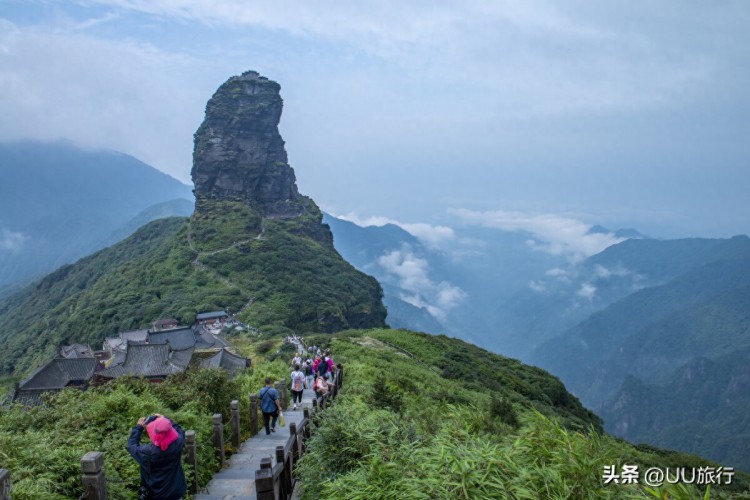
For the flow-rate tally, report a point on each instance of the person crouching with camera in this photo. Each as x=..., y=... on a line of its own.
x=162, y=477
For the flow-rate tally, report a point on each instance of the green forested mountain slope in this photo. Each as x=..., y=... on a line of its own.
x=254, y=245
x=668, y=364
x=655, y=330
x=280, y=277
x=702, y=408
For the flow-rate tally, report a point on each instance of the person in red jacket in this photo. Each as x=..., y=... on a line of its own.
x=162, y=476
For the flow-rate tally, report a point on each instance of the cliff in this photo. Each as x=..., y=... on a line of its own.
x=239, y=154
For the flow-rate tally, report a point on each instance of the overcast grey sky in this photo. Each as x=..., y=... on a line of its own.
x=495, y=113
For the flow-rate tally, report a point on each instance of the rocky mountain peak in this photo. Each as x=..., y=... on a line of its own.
x=239, y=154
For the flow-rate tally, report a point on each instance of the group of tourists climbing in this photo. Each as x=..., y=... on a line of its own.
x=316, y=373
x=160, y=465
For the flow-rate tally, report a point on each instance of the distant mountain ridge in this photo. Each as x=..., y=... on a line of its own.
x=636, y=361
x=59, y=203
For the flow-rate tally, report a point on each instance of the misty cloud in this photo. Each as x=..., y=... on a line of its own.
x=553, y=234
x=537, y=286
x=12, y=241
x=411, y=274
x=428, y=234
x=112, y=94
x=407, y=108
x=587, y=291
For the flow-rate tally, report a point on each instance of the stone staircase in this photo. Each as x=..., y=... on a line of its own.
x=237, y=479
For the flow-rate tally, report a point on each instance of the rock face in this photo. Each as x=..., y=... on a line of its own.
x=239, y=154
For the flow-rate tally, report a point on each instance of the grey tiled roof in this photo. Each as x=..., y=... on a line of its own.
x=205, y=339
x=135, y=335
x=59, y=372
x=149, y=360
x=118, y=357
x=224, y=359
x=211, y=315
x=32, y=397
x=181, y=338
x=113, y=343
x=76, y=351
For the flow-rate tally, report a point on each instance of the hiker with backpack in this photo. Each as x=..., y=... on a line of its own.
x=269, y=404
x=309, y=374
x=298, y=385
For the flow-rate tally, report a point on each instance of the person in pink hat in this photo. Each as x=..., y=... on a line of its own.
x=162, y=477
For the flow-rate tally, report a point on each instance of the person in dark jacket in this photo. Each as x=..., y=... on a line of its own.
x=162, y=477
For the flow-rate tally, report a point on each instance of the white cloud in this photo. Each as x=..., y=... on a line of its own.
x=557, y=272
x=587, y=291
x=411, y=275
x=428, y=234
x=554, y=234
x=12, y=241
x=604, y=273
x=123, y=94
x=537, y=286
x=595, y=62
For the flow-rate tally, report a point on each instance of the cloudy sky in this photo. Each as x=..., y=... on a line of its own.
x=508, y=114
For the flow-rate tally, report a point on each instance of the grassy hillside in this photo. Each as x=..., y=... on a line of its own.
x=432, y=417
x=413, y=421
x=282, y=274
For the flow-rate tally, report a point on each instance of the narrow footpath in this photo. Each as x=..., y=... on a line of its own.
x=237, y=479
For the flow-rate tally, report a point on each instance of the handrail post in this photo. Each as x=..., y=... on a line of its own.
x=234, y=407
x=192, y=458
x=94, y=481
x=279, y=386
x=218, y=437
x=264, y=487
x=253, y=414
x=306, y=430
x=284, y=395
x=4, y=484
x=297, y=449
x=286, y=473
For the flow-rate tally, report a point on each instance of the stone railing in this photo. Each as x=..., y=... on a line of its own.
x=276, y=482
x=92, y=463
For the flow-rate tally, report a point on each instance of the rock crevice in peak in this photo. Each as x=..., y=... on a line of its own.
x=239, y=154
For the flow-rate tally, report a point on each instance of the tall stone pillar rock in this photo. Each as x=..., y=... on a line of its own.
x=239, y=154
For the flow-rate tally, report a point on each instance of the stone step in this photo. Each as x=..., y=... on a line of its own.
x=236, y=481
x=232, y=487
